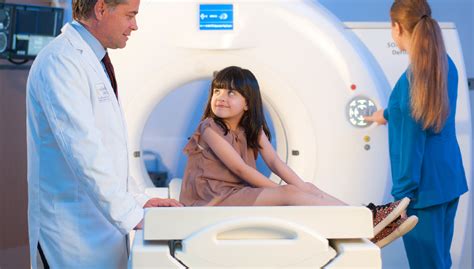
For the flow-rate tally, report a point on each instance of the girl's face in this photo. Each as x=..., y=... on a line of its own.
x=228, y=105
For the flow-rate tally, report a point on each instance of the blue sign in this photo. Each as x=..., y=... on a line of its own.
x=216, y=17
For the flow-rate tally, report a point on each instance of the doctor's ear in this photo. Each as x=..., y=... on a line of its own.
x=99, y=9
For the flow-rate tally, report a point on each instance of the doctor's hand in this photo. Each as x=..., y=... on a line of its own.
x=376, y=117
x=139, y=226
x=158, y=202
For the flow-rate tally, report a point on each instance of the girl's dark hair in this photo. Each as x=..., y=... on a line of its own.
x=243, y=81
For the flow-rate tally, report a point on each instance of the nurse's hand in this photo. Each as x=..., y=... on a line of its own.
x=376, y=117
x=158, y=202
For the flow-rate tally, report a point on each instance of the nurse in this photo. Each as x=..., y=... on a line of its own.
x=82, y=201
x=424, y=152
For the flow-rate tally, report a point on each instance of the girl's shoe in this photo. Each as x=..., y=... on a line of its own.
x=383, y=215
x=394, y=230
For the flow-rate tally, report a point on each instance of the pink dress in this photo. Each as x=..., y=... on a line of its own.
x=207, y=181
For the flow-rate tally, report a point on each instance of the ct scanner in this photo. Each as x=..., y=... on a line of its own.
x=318, y=76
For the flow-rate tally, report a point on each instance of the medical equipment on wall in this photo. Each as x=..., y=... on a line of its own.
x=25, y=29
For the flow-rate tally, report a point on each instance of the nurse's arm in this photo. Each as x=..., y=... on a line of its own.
x=412, y=151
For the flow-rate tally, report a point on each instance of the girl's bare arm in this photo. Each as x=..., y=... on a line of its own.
x=232, y=160
x=275, y=164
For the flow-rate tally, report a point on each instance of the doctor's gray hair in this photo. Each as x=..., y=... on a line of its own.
x=82, y=9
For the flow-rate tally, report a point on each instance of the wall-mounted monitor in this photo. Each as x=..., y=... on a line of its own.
x=25, y=29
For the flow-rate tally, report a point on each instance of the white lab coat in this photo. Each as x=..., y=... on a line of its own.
x=81, y=206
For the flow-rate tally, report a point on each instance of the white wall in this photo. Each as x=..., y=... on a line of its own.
x=461, y=12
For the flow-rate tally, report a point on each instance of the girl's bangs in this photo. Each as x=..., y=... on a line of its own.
x=229, y=81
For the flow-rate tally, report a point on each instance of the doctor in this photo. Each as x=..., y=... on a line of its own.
x=82, y=202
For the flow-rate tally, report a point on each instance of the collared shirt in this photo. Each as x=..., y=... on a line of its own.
x=93, y=43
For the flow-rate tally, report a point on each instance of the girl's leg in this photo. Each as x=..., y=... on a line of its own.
x=291, y=195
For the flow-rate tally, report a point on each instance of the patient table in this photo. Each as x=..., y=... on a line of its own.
x=255, y=237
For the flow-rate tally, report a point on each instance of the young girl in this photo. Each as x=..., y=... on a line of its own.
x=221, y=166
x=425, y=157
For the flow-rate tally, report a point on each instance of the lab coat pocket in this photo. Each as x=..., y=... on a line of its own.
x=105, y=111
x=103, y=95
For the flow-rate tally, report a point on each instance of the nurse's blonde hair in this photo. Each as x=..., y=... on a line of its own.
x=428, y=70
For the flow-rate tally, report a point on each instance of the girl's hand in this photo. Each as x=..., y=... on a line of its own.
x=309, y=187
x=376, y=117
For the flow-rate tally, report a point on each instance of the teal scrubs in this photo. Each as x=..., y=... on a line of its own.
x=426, y=167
